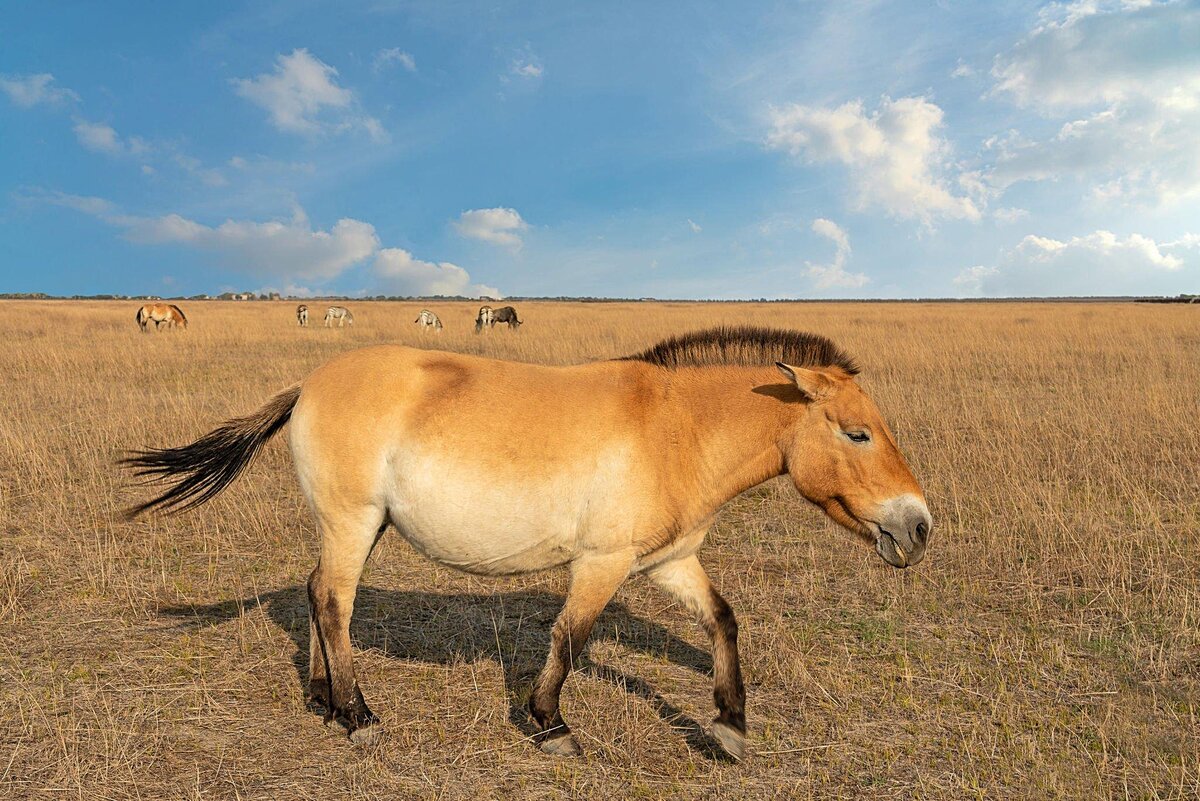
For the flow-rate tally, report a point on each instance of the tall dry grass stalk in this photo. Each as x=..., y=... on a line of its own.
x=1048, y=646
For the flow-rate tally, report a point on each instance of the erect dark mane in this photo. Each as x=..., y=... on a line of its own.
x=746, y=346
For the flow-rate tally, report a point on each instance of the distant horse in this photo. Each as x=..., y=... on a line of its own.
x=506, y=314
x=486, y=317
x=616, y=468
x=339, y=313
x=428, y=320
x=160, y=314
x=302, y=314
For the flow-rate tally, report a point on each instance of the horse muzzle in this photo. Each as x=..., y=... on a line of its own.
x=903, y=526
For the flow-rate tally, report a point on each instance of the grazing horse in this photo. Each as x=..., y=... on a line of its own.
x=621, y=469
x=302, y=314
x=507, y=314
x=339, y=313
x=428, y=320
x=486, y=317
x=160, y=314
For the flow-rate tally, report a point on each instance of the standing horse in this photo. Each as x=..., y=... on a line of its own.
x=428, y=320
x=622, y=468
x=486, y=317
x=302, y=314
x=507, y=314
x=339, y=313
x=160, y=314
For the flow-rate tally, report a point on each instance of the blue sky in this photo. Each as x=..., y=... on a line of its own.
x=722, y=150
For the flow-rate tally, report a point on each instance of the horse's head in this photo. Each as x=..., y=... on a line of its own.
x=843, y=458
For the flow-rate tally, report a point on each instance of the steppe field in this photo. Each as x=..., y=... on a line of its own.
x=1047, y=648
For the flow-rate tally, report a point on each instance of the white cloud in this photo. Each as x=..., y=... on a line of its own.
x=1006, y=216
x=404, y=275
x=302, y=96
x=32, y=90
x=394, y=55
x=694, y=226
x=499, y=226
x=1136, y=66
x=1099, y=51
x=527, y=66
x=1100, y=263
x=101, y=138
x=894, y=156
x=292, y=249
x=963, y=70
x=834, y=275
x=287, y=252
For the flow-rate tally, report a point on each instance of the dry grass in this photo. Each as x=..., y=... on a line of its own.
x=1048, y=647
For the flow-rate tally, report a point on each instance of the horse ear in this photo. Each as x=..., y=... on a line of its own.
x=813, y=384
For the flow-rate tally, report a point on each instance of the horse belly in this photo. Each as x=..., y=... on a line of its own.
x=489, y=527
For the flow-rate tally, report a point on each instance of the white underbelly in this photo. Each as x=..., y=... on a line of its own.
x=487, y=524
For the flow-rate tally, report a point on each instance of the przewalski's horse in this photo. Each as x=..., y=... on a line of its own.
x=506, y=314
x=485, y=318
x=302, y=314
x=622, y=467
x=160, y=314
x=339, y=313
x=428, y=320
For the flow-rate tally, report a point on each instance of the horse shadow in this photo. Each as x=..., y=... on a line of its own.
x=510, y=628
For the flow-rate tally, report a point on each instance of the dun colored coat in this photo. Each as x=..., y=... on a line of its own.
x=160, y=314
x=611, y=468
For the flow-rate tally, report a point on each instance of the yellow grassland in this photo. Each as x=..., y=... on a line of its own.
x=1048, y=647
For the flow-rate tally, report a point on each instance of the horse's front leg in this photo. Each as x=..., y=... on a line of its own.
x=685, y=580
x=594, y=579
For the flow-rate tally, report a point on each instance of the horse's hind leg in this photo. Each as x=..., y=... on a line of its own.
x=594, y=579
x=346, y=542
x=685, y=580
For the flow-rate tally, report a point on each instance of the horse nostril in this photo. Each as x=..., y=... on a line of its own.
x=922, y=531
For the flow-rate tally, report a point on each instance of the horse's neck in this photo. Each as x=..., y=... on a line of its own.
x=727, y=435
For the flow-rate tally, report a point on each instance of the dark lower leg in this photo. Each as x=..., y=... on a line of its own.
x=331, y=624
x=686, y=581
x=729, y=693
x=593, y=582
x=318, y=669
x=567, y=639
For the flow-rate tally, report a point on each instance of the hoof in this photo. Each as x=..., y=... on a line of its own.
x=563, y=745
x=337, y=725
x=367, y=735
x=732, y=740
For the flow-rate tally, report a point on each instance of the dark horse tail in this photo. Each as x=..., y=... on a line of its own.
x=199, y=471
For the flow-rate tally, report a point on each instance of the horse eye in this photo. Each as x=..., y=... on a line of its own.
x=858, y=436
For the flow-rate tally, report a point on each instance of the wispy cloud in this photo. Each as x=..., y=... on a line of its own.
x=302, y=96
x=393, y=55
x=1097, y=263
x=101, y=138
x=289, y=251
x=34, y=90
x=525, y=66
x=834, y=275
x=1129, y=74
